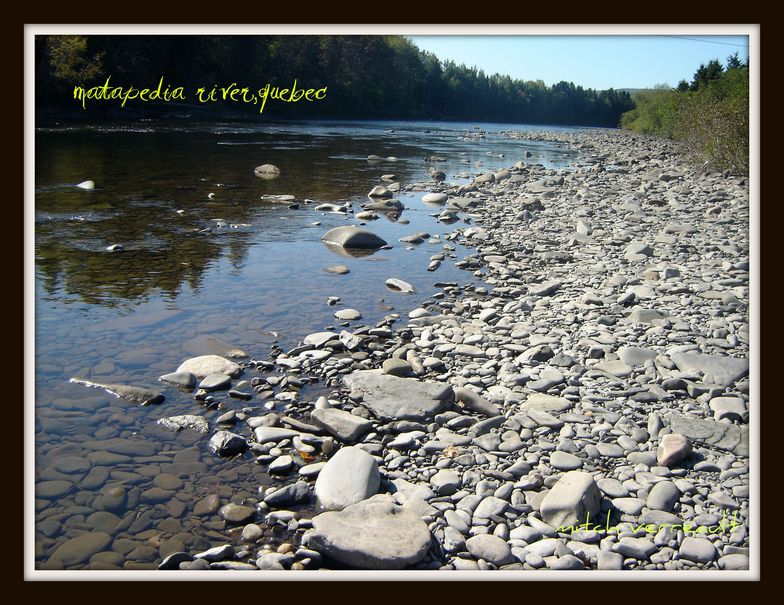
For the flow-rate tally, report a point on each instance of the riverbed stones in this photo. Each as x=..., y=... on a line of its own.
x=350, y=236
x=373, y=534
x=350, y=476
x=343, y=425
x=204, y=365
x=79, y=549
x=572, y=500
x=393, y=398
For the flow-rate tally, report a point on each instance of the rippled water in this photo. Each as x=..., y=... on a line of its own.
x=130, y=316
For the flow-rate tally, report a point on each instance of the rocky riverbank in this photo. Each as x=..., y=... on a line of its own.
x=586, y=408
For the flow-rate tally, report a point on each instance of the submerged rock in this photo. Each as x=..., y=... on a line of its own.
x=350, y=236
x=188, y=421
x=140, y=395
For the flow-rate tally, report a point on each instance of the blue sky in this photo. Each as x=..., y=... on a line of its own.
x=590, y=61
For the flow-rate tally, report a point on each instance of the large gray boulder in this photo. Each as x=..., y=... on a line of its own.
x=350, y=236
x=571, y=501
x=341, y=424
x=350, y=476
x=373, y=534
x=718, y=369
x=394, y=398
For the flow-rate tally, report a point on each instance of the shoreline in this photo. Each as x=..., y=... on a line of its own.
x=582, y=338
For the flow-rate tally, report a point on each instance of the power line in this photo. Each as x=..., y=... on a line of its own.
x=707, y=41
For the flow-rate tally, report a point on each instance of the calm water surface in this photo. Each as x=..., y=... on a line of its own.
x=130, y=316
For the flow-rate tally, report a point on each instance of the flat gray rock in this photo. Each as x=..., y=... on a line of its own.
x=546, y=403
x=394, y=398
x=215, y=382
x=204, y=365
x=716, y=369
x=712, y=433
x=373, y=534
x=186, y=421
x=341, y=424
x=266, y=434
x=350, y=476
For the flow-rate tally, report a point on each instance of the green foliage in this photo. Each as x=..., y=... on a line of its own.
x=367, y=77
x=709, y=116
x=69, y=60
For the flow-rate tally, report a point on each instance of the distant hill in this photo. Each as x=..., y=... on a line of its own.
x=634, y=91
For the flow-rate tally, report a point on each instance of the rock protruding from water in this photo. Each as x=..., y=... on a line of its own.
x=393, y=398
x=140, y=395
x=350, y=236
x=373, y=534
x=204, y=365
x=267, y=171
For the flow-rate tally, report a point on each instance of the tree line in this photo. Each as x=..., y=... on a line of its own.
x=372, y=77
x=709, y=115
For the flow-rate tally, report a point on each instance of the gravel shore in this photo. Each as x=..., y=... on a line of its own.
x=586, y=408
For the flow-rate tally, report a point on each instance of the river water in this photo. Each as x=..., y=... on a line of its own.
x=133, y=315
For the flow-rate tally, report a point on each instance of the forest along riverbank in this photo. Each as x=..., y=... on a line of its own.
x=600, y=375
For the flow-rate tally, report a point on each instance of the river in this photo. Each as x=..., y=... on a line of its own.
x=162, y=190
